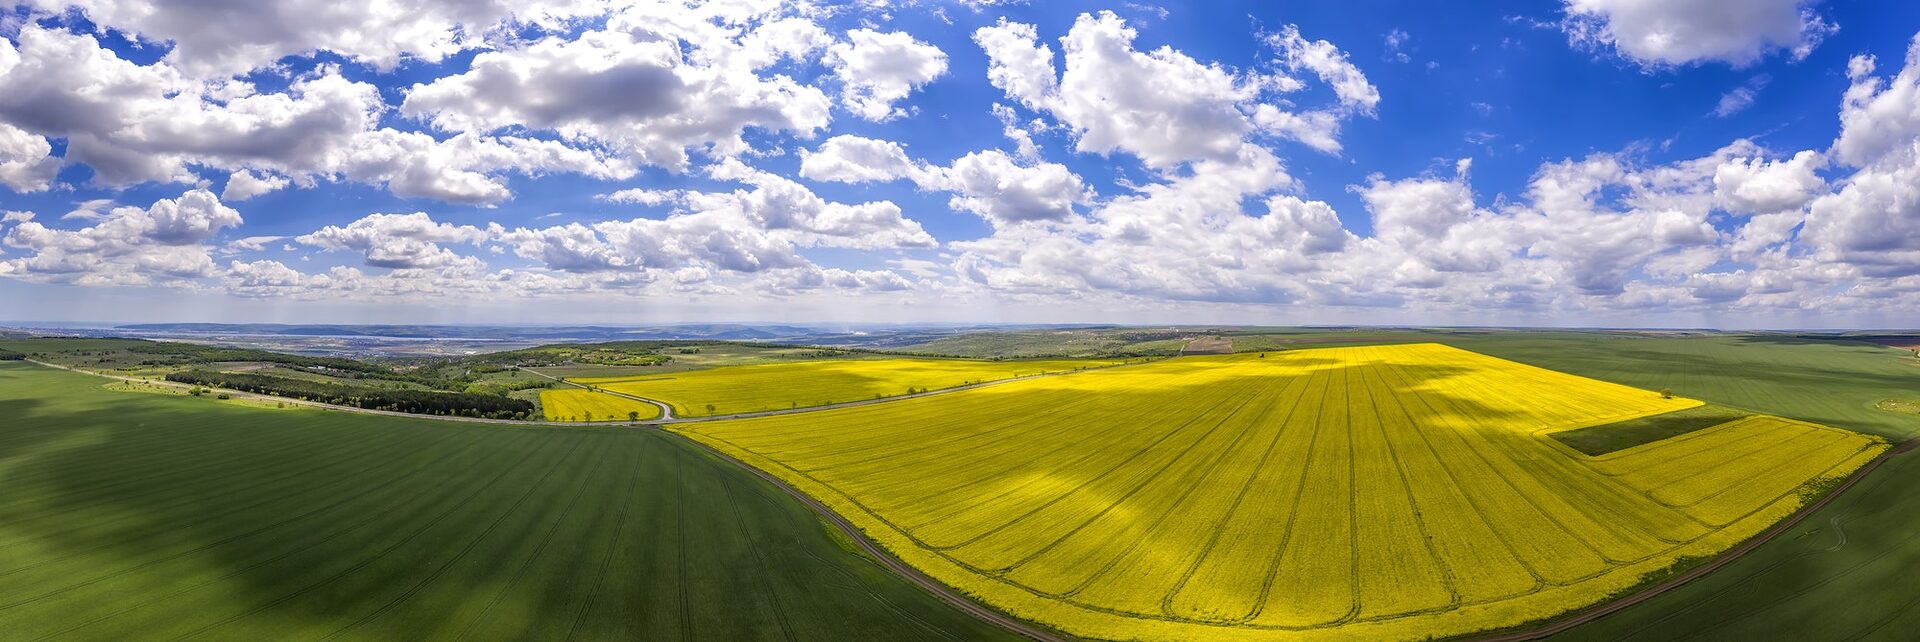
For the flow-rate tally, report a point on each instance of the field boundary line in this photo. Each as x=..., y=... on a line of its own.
x=667, y=416
x=938, y=589
x=1568, y=623
x=666, y=411
x=1453, y=479
x=241, y=394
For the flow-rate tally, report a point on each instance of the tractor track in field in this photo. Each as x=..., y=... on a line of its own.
x=1728, y=557
x=942, y=591
x=986, y=614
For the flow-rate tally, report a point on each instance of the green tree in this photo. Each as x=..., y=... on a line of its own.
x=633, y=415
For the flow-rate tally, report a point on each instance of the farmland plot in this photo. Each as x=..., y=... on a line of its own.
x=573, y=404
x=169, y=517
x=781, y=386
x=1383, y=492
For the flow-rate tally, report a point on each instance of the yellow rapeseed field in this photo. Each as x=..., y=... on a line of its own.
x=1365, y=493
x=780, y=386
x=574, y=404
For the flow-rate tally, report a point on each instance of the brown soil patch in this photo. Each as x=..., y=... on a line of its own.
x=1209, y=345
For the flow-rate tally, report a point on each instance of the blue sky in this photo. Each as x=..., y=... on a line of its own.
x=1594, y=162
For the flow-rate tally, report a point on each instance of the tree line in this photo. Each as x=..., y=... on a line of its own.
x=423, y=402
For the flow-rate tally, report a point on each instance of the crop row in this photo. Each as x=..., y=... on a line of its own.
x=1372, y=491
x=782, y=386
x=573, y=404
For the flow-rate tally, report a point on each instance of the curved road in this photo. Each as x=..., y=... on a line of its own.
x=666, y=411
x=667, y=416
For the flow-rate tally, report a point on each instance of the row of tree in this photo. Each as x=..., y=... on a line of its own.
x=205, y=354
x=189, y=354
x=424, y=402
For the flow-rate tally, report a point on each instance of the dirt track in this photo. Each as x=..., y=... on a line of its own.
x=666, y=411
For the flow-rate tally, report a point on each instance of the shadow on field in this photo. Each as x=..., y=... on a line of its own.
x=142, y=516
x=1237, y=387
x=1831, y=383
x=21, y=438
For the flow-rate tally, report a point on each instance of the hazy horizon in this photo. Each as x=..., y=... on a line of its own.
x=856, y=326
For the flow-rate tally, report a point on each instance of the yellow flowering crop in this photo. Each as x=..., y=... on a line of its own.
x=574, y=404
x=781, y=386
x=1364, y=493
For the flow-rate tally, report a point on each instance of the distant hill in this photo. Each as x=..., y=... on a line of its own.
x=717, y=331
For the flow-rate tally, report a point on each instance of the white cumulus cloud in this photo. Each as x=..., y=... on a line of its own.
x=635, y=90
x=161, y=243
x=880, y=69
x=243, y=185
x=1668, y=33
x=1162, y=105
x=399, y=240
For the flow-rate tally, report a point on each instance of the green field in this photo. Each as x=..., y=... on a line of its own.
x=785, y=386
x=684, y=356
x=1835, y=383
x=1353, y=493
x=1064, y=342
x=129, y=515
x=147, y=516
x=1844, y=573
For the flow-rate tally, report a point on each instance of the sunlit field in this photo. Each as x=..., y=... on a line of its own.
x=128, y=516
x=737, y=389
x=574, y=404
x=1381, y=492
